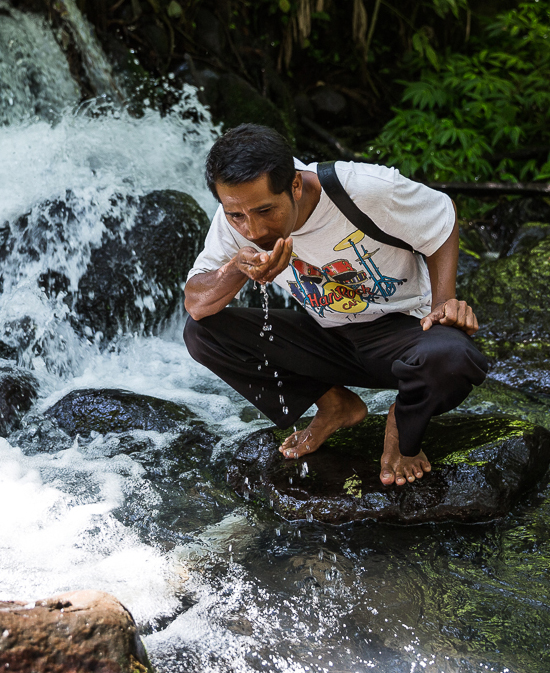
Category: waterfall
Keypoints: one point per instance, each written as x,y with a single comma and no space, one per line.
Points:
216,584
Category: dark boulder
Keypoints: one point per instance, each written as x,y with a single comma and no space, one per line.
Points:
84,411
18,390
135,279
511,297
480,465
80,631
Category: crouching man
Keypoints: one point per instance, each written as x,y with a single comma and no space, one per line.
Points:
377,316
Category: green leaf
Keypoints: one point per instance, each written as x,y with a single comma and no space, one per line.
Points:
174,10
284,6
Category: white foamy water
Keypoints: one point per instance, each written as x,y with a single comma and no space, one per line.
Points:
54,540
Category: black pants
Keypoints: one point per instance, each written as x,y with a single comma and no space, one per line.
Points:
433,371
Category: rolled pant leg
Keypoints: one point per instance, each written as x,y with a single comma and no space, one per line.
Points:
433,370
436,373
302,356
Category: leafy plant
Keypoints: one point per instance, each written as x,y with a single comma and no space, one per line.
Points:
469,114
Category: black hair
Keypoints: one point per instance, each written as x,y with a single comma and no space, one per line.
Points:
245,153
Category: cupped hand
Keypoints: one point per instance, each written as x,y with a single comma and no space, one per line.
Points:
262,266
453,313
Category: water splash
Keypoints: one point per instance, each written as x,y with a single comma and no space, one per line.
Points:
59,184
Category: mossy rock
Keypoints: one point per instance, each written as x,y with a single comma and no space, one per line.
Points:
480,466
511,297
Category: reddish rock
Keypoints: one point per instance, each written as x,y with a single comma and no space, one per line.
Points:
75,632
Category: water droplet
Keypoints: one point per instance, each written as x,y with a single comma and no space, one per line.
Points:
280,384
262,334
324,537
271,503
230,548
246,481
278,532
275,374
304,470
266,363
309,517
281,399
285,410
290,480
271,337
259,367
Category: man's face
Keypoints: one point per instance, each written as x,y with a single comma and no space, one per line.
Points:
259,215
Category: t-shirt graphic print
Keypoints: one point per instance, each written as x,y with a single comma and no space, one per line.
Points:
341,285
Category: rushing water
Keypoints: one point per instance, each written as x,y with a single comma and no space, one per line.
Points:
214,583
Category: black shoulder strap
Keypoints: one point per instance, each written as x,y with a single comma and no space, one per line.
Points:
343,201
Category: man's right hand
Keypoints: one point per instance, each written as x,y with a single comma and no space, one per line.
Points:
262,266
210,292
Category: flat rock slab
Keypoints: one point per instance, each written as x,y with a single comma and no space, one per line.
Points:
80,631
480,465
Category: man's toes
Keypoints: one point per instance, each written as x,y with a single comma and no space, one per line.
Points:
408,472
400,479
418,473
387,477
426,466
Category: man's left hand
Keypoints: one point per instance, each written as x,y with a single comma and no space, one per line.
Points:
452,313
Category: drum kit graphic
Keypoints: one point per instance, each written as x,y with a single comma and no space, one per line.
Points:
338,285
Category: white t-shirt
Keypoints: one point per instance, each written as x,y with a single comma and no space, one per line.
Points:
336,272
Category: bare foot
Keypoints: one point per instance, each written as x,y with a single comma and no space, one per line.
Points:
396,467
338,408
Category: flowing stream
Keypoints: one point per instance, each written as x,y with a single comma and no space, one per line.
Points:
214,583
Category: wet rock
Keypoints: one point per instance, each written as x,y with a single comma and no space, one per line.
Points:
135,279
84,411
497,232
528,236
494,397
511,297
80,631
480,466
18,390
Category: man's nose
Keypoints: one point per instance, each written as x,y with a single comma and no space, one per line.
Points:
256,228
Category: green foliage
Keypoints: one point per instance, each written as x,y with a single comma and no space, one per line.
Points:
468,114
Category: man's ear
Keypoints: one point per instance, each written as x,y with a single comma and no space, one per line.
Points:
297,186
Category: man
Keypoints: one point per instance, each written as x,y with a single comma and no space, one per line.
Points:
377,316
